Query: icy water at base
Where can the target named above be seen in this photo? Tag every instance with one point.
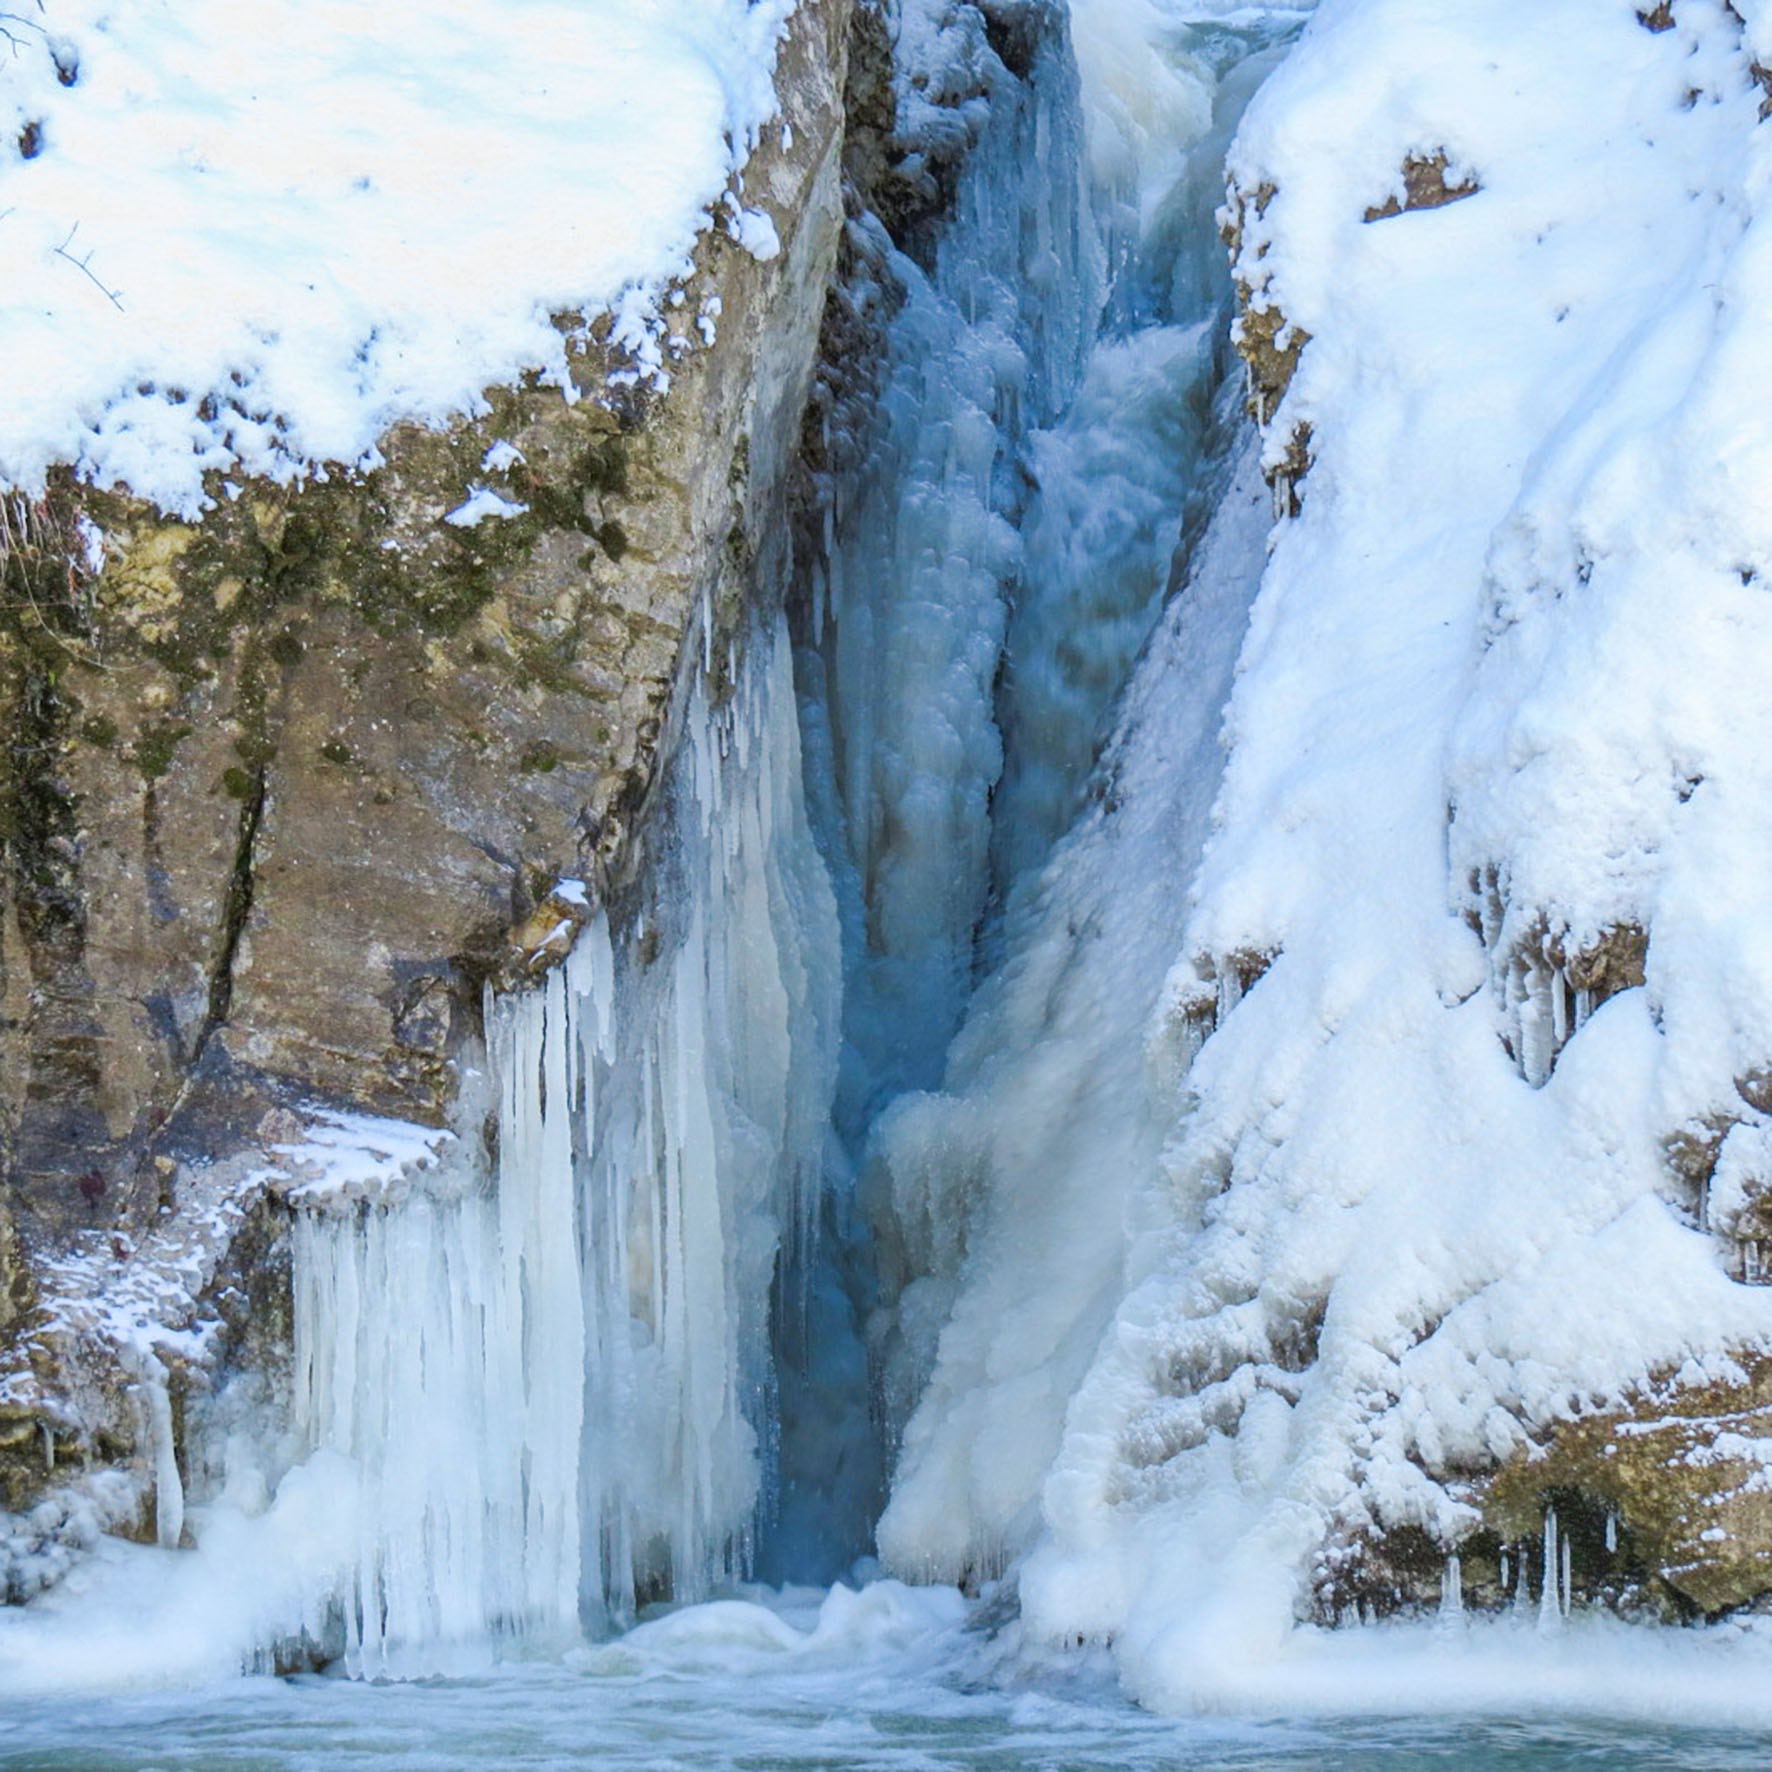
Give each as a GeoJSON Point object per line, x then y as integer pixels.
{"type": "Point", "coordinates": [564, 1717]}
{"type": "Point", "coordinates": [895, 1679]}
{"type": "Point", "coordinates": [555, 1718]}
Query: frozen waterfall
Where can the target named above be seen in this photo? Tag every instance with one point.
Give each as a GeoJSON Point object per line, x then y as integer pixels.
{"type": "Point", "coordinates": [589, 1377]}
{"type": "Point", "coordinates": [726, 1217]}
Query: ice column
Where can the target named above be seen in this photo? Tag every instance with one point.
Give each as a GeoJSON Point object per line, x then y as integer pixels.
{"type": "Point", "coordinates": [1452, 1590]}
{"type": "Point", "coordinates": [926, 557]}
{"type": "Point", "coordinates": [169, 1490]}
{"type": "Point", "coordinates": [1553, 1603]}
{"type": "Point", "coordinates": [702, 1156]}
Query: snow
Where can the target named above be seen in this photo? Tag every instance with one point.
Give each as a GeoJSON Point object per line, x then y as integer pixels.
{"type": "Point", "coordinates": [753, 230]}
{"type": "Point", "coordinates": [252, 244]}
{"type": "Point", "coordinates": [480, 504]}
{"type": "Point", "coordinates": [1408, 1204]}
{"type": "Point", "coordinates": [501, 458]}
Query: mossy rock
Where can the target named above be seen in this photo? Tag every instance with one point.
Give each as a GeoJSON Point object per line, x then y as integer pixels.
{"type": "Point", "coordinates": [1684, 1469]}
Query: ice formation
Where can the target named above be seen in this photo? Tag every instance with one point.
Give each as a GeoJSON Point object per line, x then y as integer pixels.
{"type": "Point", "coordinates": [924, 553]}
{"type": "Point", "coordinates": [1116, 443]}
{"type": "Point", "coordinates": [553, 1383]}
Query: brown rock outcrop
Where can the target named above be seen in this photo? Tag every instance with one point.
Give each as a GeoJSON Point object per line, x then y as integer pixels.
{"type": "Point", "coordinates": [280, 782]}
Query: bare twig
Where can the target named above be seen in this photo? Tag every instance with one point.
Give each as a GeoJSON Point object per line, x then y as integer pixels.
{"type": "Point", "coordinates": [35, 535]}
{"type": "Point", "coordinates": [9, 19]}
{"type": "Point", "coordinates": [84, 265]}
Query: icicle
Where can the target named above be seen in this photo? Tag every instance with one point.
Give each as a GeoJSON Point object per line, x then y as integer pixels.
{"type": "Point", "coordinates": [1452, 1591]}
{"type": "Point", "coordinates": [1611, 1531]}
{"type": "Point", "coordinates": [1538, 1047]}
{"type": "Point", "coordinates": [169, 1489]}
{"type": "Point", "coordinates": [1504, 1571]}
{"type": "Point", "coordinates": [1568, 1591]}
{"type": "Point", "coordinates": [1550, 1605]}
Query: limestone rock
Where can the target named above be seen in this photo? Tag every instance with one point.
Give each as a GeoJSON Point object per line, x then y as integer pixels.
{"type": "Point", "coordinates": [1267, 341]}
{"type": "Point", "coordinates": [280, 782]}
{"type": "Point", "coordinates": [1428, 183]}
{"type": "Point", "coordinates": [1684, 1470]}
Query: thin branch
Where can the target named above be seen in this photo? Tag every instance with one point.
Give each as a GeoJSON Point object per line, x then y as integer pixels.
{"type": "Point", "coordinates": [84, 265]}
{"type": "Point", "coordinates": [16, 18]}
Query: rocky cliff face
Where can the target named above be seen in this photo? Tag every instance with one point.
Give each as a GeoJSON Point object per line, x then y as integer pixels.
{"type": "Point", "coordinates": [286, 788]}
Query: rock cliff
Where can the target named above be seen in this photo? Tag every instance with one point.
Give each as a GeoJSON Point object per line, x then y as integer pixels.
{"type": "Point", "coordinates": [287, 787]}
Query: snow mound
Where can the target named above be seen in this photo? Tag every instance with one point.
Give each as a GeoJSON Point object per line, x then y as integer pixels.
{"type": "Point", "coordinates": [257, 239]}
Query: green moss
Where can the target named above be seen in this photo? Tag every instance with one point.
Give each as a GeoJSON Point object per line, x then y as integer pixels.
{"type": "Point", "coordinates": [286, 647]}
{"type": "Point", "coordinates": [238, 784]}
{"type": "Point", "coordinates": [563, 502]}
{"type": "Point", "coordinates": [99, 730]}
{"type": "Point", "coordinates": [336, 752]}
{"type": "Point", "coordinates": [155, 747]}
{"type": "Point", "coordinates": [550, 664]}
{"type": "Point", "coordinates": [540, 758]}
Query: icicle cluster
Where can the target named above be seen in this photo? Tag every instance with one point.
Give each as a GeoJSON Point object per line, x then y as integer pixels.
{"type": "Point", "coordinates": [552, 1384]}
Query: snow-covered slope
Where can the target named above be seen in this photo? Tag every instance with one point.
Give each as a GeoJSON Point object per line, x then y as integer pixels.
{"type": "Point", "coordinates": [255, 238]}
{"type": "Point", "coordinates": [1479, 946]}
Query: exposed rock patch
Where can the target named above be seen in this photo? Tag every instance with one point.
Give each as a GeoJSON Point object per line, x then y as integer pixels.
{"type": "Point", "coordinates": [1428, 183]}
{"type": "Point", "coordinates": [1683, 1468]}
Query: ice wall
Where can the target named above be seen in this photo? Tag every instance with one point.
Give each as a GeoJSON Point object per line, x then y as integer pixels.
{"type": "Point", "coordinates": [552, 1384]}
{"type": "Point", "coordinates": [923, 557]}
{"type": "Point", "coordinates": [1046, 437]}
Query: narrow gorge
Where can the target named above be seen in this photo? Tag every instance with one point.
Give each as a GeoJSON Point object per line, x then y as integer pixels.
{"type": "Point", "coordinates": [1024, 889]}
